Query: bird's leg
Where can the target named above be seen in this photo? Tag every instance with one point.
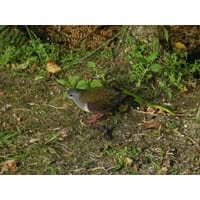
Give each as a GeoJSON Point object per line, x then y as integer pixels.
{"type": "Point", "coordinates": [93, 119]}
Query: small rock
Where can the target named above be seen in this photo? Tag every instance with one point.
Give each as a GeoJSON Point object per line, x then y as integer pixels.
{"type": "Point", "coordinates": [33, 140]}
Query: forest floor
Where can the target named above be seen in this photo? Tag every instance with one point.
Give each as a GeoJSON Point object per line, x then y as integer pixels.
{"type": "Point", "coordinates": [45, 134]}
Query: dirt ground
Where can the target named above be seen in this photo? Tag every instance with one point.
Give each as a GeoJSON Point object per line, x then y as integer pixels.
{"type": "Point", "coordinates": [45, 134]}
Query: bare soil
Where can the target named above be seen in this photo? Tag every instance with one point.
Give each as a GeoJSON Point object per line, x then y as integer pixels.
{"type": "Point", "coordinates": [46, 134]}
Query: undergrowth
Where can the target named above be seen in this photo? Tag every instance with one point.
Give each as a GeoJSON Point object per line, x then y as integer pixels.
{"type": "Point", "coordinates": [151, 65]}
{"type": "Point", "coordinates": [148, 65]}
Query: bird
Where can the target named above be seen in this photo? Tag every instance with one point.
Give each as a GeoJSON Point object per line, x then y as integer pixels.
{"type": "Point", "coordinates": [98, 100]}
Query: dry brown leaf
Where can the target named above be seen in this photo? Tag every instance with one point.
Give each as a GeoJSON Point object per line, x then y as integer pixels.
{"type": "Point", "coordinates": [152, 110]}
{"type": "Point", "coordinates": [1, 93]}
{"type": "Point", "coordinates": [8, 165]}
{"type": "Point", "coordinates": [52, 67]}
{"type": "Point", "coordinates": [152, 124]}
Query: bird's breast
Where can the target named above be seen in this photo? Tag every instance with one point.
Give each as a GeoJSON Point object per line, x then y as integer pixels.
{"type": "Point", "coordinates": [85, 108]}
{"type": "Point", "coordinates": [82, 105]}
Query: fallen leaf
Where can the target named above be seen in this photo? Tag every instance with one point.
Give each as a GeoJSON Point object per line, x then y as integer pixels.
{"type": "Point", "coordinates": [180, 45]}
{"type": "Point", "coordinates": [8, 165]}
{"type": "Point", "coordinates": [152, 124]}
{"type": "Point", "coordinates": [1, 93]}
{"type": "Point", "coordinates": [52, 67]}
{"type": "Point", "coordinates": [152, 110]}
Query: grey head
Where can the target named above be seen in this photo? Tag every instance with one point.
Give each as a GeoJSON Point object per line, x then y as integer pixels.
{"type": "Point", "coordinates": [74, 95]}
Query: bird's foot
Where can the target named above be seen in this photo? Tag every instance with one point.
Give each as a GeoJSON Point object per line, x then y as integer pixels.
{"type": "Point", "coordinates": [93, 119]}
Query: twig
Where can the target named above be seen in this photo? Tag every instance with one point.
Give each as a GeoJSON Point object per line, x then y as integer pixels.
{"type": "Point", "coordinates": [184, 115]}
{"type": "Point", "coordinates": [96, 168]}
{"type": "Point", "coordinates": [22, 109]}
{"type": "Point", "coordinates": [78, 170]}
{"type": "Point", "coordinates": [27, 109]}
{"type": "Point", "coordinates": [52, 139]}
{"type": "Point", "coordinates": [59, 108]}
{"type": "Point", "coordinates": [52, 106]}
{"type": "Point", "coordinates": [146, 113]}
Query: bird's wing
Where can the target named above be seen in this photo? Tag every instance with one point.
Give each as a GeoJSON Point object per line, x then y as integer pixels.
{"type": "Point", "coordinates": [105, 100]}
{"type": "Point", "coordinates": [99, 106]}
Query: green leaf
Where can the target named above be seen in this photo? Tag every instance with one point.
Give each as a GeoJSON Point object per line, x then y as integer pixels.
{"type": "Point", "coordinates": [166, 34]}
{"type": "Point", "coordinates": [155, 46]}
{"type": "Point", "coordinates": [155, 68]}
{"type": "Point", "coordinates": [82, 84]}
{"type": "Point", "coordinates": [91, 65]}
{"type": "Point", "coordinates": [148, 76]}
{"type": "Point", "coordinates": [73, 79]}
{"type": "Point", "coordinates": [62, 82]}
{"type": "Point", "coordinates": [95, 83]}
{"type": "Point", "coordinates": [151, 57]}
{"type": "Point", "coordinates": [66, 67]}
{"type": "Point", "coordinates": [198, 116]}
{"type": "Point", "coordinates": [22, 66]}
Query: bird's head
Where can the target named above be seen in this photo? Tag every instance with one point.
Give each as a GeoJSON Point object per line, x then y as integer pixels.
{"type": "Point", "coordinates": [73, 94]}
